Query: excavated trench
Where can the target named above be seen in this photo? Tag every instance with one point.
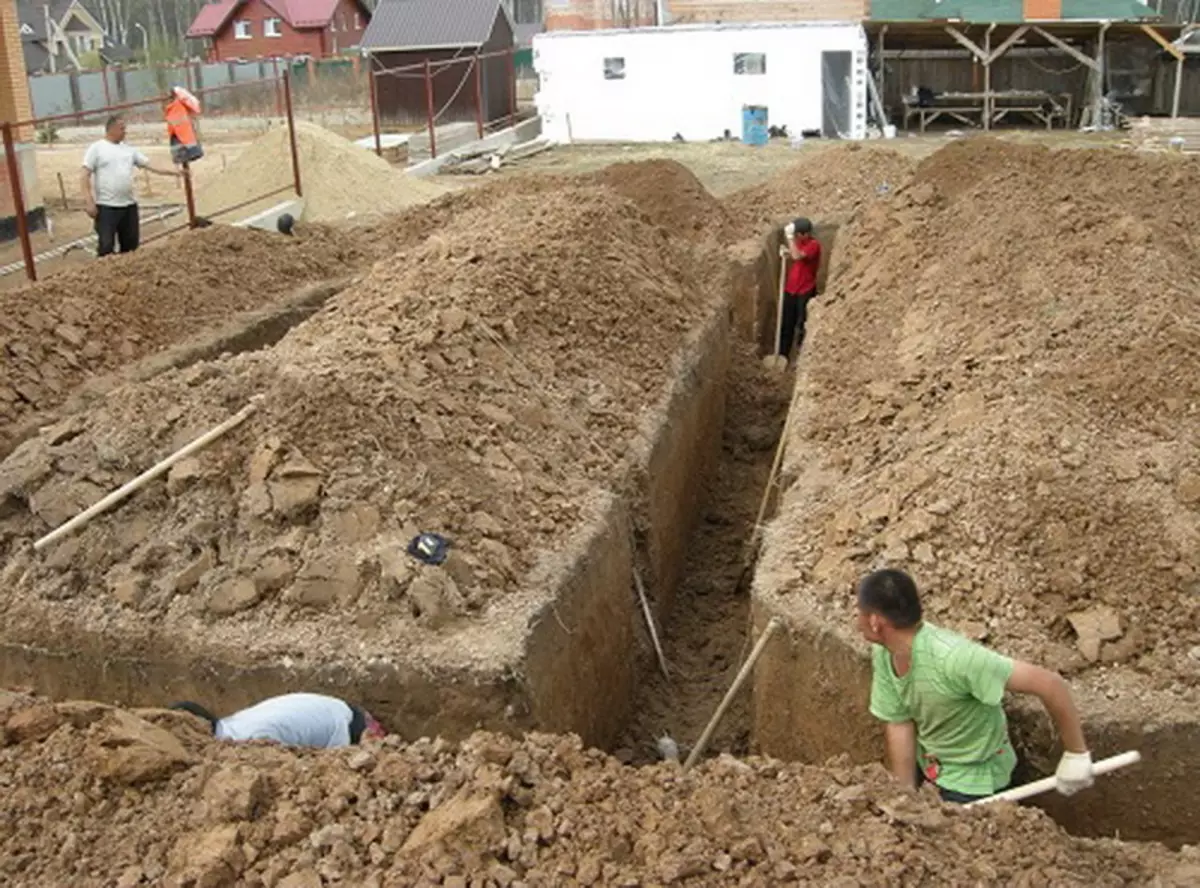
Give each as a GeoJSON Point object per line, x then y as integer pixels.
{"type": "Point", "coordinates": [582, 660]}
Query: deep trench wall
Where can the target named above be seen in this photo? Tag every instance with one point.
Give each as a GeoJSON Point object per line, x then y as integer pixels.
{"type": "Point", "coordinates": [812, 688]}
{"type": "Point", "coordinates": [571, 671]}
{"type": "Point", "coordinates": [682, 443]}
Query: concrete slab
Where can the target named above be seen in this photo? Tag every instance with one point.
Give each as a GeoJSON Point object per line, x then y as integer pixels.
{"type": "Point", "coordinates": [267, 218]}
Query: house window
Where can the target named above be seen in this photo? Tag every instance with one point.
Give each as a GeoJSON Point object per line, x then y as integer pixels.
{"type": "Point", "coordinates": [357, 22]}
{"type": "Point", "coordinates": [614, 68]}
{"type": "Point", "coordinates": [749, 63]}
{"type": "Point", "coordinates": [272, 27]}
{"type": "Point", "coordinates": [241, 29]}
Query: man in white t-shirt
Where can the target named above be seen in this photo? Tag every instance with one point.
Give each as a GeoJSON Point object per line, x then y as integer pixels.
{"type": "Point", "coordinates": [107, 180]}
{"type": "Point", "coordinates": [293, 720]}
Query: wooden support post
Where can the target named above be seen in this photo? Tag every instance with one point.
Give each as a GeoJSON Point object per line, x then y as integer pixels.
{"type": "Point", "coordinates": [1070, 50]}
{"type": "Point", "coordinates": [1100, 72]}
{"type": "Point", "coordinates": [1178, 85]}
{"type": "Point", "coordinates": [429, 110]}
{"type": "Point", "coordinates": [373, 88]}
{"type": "Point", "coordinates": [882, 71]}
{"type": "Point", "coordinates": [987, 77]}
{"type": "Point", "coordinates": [966, 42]}
{"type": "Point", "coordinates": [1162, 41]}
{"type": "Point", "coordinates": [1009, 42]}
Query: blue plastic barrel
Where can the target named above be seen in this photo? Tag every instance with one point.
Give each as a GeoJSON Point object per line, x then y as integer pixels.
{"type": "Point", "coordinates": [754, 124]}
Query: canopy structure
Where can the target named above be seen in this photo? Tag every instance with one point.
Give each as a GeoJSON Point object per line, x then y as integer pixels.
{"type": "Point", "coordinates": [1084, 41]}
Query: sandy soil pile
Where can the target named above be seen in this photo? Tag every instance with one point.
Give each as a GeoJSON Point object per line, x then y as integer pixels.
{"type": "Point", "coordinates": [99, 796]}
{"type": "Point", "coordinates": [340, 180]}
{"type": "Point", "coordinates": [826, 184]}
{"type": "Point", "coordinates": [671, 195]}
{"type": "Point", "coordinates": [87, 322]}
{"type": "Point", "coordinates": [1000, 395]}
{"type": "Point", "coordinates": [480, 388]}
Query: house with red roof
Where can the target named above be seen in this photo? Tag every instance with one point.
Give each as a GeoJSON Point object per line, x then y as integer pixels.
{"type": "Point", "coordinates": [243, 29]}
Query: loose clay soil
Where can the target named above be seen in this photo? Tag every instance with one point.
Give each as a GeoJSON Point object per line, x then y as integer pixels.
{"type": "Point", "coordinates": [999, 394]}
{"type": "Point", "coordinates": [87, 322]}
{"type": "Point", "coordinates": [99, 796]}
{"type": "Point", "coordinates": [340, 180]}
{"type": "Point", "coordinates": [825, 185]}
{"type": "Point", "coordinates": [482, 388]}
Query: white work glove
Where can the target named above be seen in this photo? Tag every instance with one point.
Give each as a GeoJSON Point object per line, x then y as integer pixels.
{"type": "Point", "coordinates": [784, 252]}
{"type": "Point", "coordinates": [789, 230]}
{"type": "Point", "coordinates": [1074, 773]}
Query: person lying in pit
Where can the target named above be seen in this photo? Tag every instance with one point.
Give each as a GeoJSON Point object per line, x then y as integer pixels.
{"type": "Point", "coordinates": [312, 720]}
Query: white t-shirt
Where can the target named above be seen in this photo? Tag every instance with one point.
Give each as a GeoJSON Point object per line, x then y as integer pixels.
{"type": "Point", "coordinates": [112, 165]}
{"type": "Point", "coordinates": [293, 720]}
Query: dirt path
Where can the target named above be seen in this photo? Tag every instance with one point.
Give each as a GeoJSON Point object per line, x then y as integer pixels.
{"type": "Point", "coordinates": [705, 638]}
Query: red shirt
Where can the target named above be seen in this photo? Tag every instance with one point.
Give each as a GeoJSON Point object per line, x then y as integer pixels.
{"type": "Point", "coordinates": [802, 272]}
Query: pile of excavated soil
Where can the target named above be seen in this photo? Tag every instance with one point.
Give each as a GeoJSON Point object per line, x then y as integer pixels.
{"type": "Point", "coordinates": [340, 180]}
{"type": "Point", "coordinates": [485, 388]}
{"type": "Point", "coordinates": [666, 192]}
{"type": "Point", "coordinates": [87, 322]}
{"type": "Point", "coordinates": [825, 184]}
{"type": "Point", "coordinates": [670, 194]}
{"type": "Point", "coordinates": [1000, 394]}
{"type": "Point", "coordinates": [99, 796]}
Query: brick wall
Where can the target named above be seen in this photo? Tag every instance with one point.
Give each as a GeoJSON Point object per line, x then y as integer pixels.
{"type": "Point", "coordinates": [349, 20]}
{"type": "Point", "coordinates": [15, 105]}
{"type": "Point", "coordinates": [766, 10]}
{"type": "Point", "coordinates": [594, 15]}
{"type": "Point", "coordinates": [14, 89]}
{"type": "Point", "coordinates": [1043, 9]}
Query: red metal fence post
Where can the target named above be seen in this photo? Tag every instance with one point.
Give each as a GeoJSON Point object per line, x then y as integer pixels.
{"type": "Point", "coordinates": [479, 95]}
{"type": "Point", "coordinates": [291, 122]}
{"type": "Point", "coordinates": [14, 183]}
{"type": "Point", "coordinates": [429, 109]}
{"type": "Point", "coordinates": [189, 195]}
{"type": "Point", "coordinates": [373, 88]}
{"type": "Point", "coordinates": [512, 87]}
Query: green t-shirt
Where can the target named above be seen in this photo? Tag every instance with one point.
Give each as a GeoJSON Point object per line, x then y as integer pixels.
{"type": "Point", "coordinates": [952, 692]}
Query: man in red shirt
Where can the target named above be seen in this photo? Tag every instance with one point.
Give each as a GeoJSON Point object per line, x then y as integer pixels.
{"type": "Point", "coordinates": [804, 252]}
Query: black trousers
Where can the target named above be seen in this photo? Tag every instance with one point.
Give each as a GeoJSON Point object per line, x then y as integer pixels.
{"type": "Point", "coordinates": [117, 225]}
{"type": "Point", "coordinates": [795, 314]}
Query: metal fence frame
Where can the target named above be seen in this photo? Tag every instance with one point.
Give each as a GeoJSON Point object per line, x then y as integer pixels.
{"type": "Point", "coordinates": [427, 70]}
{"type": "Point", "coordinates": [283, 91]}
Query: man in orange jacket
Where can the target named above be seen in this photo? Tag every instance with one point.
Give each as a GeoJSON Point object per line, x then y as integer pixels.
{"type": "Point", "coordinates": [181, 105]}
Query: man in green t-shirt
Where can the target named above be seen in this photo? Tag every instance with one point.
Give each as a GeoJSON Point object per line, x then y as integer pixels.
{"type": "Point", "coordinates": [939, 697]}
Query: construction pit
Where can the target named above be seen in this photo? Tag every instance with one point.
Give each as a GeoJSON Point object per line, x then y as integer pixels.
{"type": "Point", "coordinates": [576, 402]}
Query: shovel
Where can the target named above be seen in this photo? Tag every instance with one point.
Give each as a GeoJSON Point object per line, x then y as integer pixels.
{"type": "Point", "coordinates": [1037, 787]}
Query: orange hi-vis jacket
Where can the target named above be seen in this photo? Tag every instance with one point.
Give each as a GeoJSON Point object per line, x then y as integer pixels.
{"type": "Point", "coordinates": [179, 123]}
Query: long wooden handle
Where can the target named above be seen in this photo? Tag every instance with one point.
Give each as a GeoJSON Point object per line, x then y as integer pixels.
{"type": "Point", "coordinates": [773, 625]}
{"type": "Point", "coordinates": [779, 306]}
{"type": "Point", "coordinates": [1037, 787]}
{"type": "Point", "coordinates": [145, 478]}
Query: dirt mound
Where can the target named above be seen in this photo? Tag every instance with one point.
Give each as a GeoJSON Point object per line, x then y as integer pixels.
{"type": "Point", "coordinates": [1000, 395]}
{"type": "Point", "coordinates": [97, 796]}
{"type": "Point", "coordinates": [339, 179]}
{"type": "Point", "coordinates": [483, 388]}
{"type": "Point", "coordinates": [670, 194]}
{"type": "Point", "coordinates": [91, 321]}
{"type": "Point", "coordinates": [825, 184]}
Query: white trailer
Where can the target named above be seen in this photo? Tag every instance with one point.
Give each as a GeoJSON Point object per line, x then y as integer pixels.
{"type": "Point", "coordinates": [695, 81]}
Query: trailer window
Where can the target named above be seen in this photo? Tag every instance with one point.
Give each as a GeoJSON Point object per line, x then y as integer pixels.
{"type": "Point", "coordinates": [614, 68]}
{"type": "Point", "coordinates": [749, 63]}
